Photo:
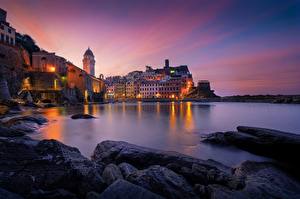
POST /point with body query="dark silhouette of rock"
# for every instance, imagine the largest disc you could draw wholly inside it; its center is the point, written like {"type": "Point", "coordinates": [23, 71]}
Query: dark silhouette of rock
{"type": "Point", "coordinates": [7, 132]}
{"type": "Point", "coordinates": [82, 116]}
{"type": "Point", "coordinates": [193, 169]}
{"type": "Point", "coordinates": [4, 194]}
{"type": "Point", "coordinates": [53, 194]}
{"type": "Point", "coordinates": [38, 119]}
{"type": "Point", "coordinates": [11, 104]}
{"type": "Point", "coordinates": [126, 169]}
{"type": "Point", "coordinates": [262, 180]}
{"type": "Point", "coordinates": [27, 164]}
{"type": "Point", "coordinates": [162, 181]}
{"type": "Point", "coordinates": [92, 195]}
{"type": "Point", "coordinates": [122, 189]}
{"type": "Point", "coordinates": [267, 142]}
{"type": "Point", "coordinates": [111, 173]}
{"type": "Point", "coordinates": [26, 124]}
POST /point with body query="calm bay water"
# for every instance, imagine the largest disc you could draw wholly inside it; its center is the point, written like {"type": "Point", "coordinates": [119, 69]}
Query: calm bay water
{"type": "Point", "coordinates": [168, 126]}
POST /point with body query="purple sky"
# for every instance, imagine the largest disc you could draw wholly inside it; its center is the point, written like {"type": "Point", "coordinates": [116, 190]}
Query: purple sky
{"type": "Point", "coordinates": [242, 47]}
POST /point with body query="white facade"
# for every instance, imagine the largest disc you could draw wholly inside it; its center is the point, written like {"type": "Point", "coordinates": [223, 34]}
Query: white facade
{"type": "Point", "coordinates": [7, 33]}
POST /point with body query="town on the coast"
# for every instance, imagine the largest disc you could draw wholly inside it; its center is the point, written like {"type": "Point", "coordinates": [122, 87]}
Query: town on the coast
{"type": "Point", "coordinates": [35, 75]}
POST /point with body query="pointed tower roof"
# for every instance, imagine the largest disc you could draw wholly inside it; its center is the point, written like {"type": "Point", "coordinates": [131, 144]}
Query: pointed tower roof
{"type": "Point", "coordinates": [89, 52]}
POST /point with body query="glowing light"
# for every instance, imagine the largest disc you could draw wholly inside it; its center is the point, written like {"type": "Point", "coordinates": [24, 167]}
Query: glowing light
{"type": "Point", "coordinates": [51, 69]}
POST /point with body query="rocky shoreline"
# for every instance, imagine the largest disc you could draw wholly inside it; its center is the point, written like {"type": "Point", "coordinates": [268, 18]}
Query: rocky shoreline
{"type": "Point", "coordinates": [49, 169]}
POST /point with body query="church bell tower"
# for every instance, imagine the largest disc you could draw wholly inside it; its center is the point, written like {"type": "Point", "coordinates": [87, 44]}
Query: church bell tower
{"type": "Point", "coordinates": [89, 62]}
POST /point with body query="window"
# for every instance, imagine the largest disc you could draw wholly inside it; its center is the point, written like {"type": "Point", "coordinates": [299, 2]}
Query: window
{"type": "Point", "coordinates": [11, 41]}
{"type": "Point", "coordinates": [7, 39]}
{"type": "Point", "coordinates": [2, 27]}
{"type": "Point", "coordinates": [9, 31]}
{"type": "Point", "coordinates": [2, 37]}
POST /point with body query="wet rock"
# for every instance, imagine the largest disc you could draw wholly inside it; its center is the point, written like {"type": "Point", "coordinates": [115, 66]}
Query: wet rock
{"type": "Point", "coordinates": [201, 190]}
{"type": "Point", "coordinates": [142, 157]}
{"type": "Point", "coordinates": [111, 173]}
{"type": "Point", "coordinates": [162, 181]}
{"type": "Point", "coordinates": [11, 104]}
{"type": "Point", "coordinates": [268, 142]}
{"type": "Point", "coordinates": [4, 194]}
{"type": "Point", "coordinates": [262, 180]}
{"type": "Point", "coordinates": [193, 169]}
{"type": "Point", "coordinates": [122, 189]}
{"type": "Point", "coordinates": [37, 119]}
{"type": "Point", "coordinates": [7, 132]}
{"type": "Point", "coordinates": [126, 169]}
{"type": "Point", "coordinates": [82, 116]}
{"type": "Point", "coordinates": [53, 194]}
{"type": "Point", "coordinates": [27, 164]}
{"type": "Point", "coordinates": [25, 124]}
{"type": "Point", "coordinates": [92, 195]}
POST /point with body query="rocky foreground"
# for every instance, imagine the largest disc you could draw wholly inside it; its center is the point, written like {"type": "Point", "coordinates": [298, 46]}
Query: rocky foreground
{"type": "Point", "coordinates": [51, 170]}
{"type": "Point", "coordinates": [48, 169]}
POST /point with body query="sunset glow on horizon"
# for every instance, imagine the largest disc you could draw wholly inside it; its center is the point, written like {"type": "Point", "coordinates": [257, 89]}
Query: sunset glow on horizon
{"type": "Point", "coordinates": [242, 47]}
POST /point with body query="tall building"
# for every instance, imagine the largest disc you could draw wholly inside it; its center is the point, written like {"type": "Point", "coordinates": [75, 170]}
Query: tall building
{"type": "Point", "coordinates": [7, 33]}
{"type": "Point", "coordinates": [89, 62]}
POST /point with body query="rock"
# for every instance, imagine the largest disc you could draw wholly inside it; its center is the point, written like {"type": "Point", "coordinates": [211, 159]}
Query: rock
{"type": "Point", "coordinates": [53, 194]}
{"type": "Point", "coordinates": [27, 164]}
{"type": "Point", "coordinates": [111, 173]}
{"type": "Point", "coordinates": [267, 142]}
{"type": "Point", "coordinates": [262, 180]}
{"type": "Point", "coordinates": [82, 116]}
{"type": "Point", "coordinates": [25, 124]}
{"type": "Point", "coordinates": [92, 195]}
{"type": "Point", "coordinates": [201, 190]}
{"type": "Point", "coordinates": [7, 132]}
{"type": "Point", "coordinates": [4, 109]}
{"type": "Point", "coordinates": [4, 194]}
{"type": "Point", "coordinates": [13, 105]}
{"type": "Point", "coordinates": [126, 169]}
{"type": "Point", "coordinates": [141, 157]}
{"type": "Point", "coordinates": [122, 189]}
{"type": "Point", "coordinates": [37, 119]}
{"type": "Point", "coordinates": [162, 181]}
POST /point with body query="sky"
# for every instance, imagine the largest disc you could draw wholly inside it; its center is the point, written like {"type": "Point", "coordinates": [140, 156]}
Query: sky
{"type": "Point", "coordinates": [241, 46]}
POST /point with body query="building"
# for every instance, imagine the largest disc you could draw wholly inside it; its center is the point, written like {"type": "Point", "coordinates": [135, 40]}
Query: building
{"type": "Point", "coordinates": [166, 82]}
{"type": "Point", "coordinates": [7, 33]}
{"type": "Point", "coordinates": [89, 86]}
{"type": "Point", "coordinates": [44, 61]}
{"type": "Point", "coordinates": [132, 89]}
{"type": "Point", "coordinates": [89, 62]}
{"type": "Point", "coordinates": [171, 88]}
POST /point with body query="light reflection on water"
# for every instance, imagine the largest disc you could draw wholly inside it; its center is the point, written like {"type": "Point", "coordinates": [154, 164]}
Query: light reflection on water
{"type": "Point", "coordinates": [168, 126]}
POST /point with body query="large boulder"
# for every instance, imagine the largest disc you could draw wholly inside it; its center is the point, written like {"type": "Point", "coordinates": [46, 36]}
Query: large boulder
{"type": "Point", "coordinates": [24, 124]}
{"type": "Point", "coordinates": [162, 181]}
{"type": "Point", "coordinates": [111, 173]}
{"type": "Point", "coordinates": [53, 194]}
{"type": "Point", "coordinates": [262, 180]}
{"type": "Point", "coordinates": [126, 169]}
{"type": "Point", "coordinates": [142, 157]}
{"type": "Point", "coordinates": [27, 165]}
{"type": "Point", "coordinates": [4, 194]}
{"type": "Point", "coordinates": [8, 132]}
{"type": "Point", "coordinates": [268, 142]}
{"type": "Point", "coordinates": [193, 169]}
{"type": "Point", "coordinates": [122, 189]}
